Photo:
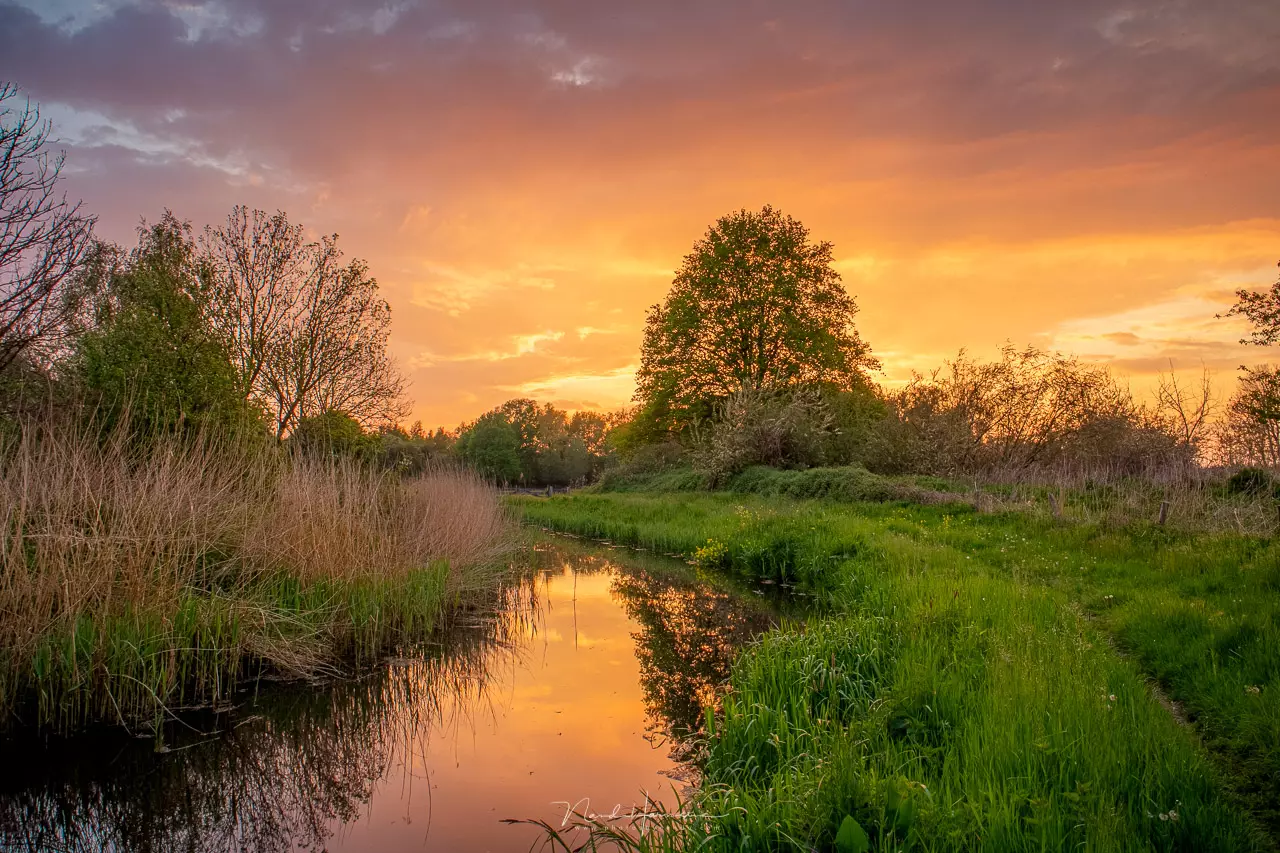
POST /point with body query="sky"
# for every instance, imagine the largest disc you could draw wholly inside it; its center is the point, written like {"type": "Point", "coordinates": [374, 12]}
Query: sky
{"type": "Point", "coordinates": [1093, 176]}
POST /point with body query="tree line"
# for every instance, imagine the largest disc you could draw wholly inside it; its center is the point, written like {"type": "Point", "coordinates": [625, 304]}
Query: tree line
{"type": "Point", "coordinates": [754, 357]}
{"type": "Point", "coordinates": [243, 326]}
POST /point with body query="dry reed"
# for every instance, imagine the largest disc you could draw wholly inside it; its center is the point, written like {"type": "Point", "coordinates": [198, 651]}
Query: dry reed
{"type": "Point", "coordinates": [131, 578]}
{"type": "Point", "coordinates": [1195, 498]}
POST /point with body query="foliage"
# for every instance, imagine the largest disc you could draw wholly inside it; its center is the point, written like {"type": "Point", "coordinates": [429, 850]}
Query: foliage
{"type": "Point", "coordinates": [334, 433]}
{"type": "Point", "coordinates": [413, 451]}
{"type": "Point", "coordinates": [960, 679]}
{"type": "Point", "coordinates": [44, 239]}
{"type": "Point", "coordinates": [848, 483]}
{"type": "Point", "coordinates": [144, 350]}
{"type": "Point", "coordinates": [755, 304]}
{"type": "Point", "coordinates": [1250, 481]}
{"type": "Point", "coordinates": [1263, 311]}
{"type": "Point", "coordinates": [1251, 433]}
{"type": "Point", "coordinates": [537, 445]}
{"type": "Point", "coordinates": [491, 446]}
{"type": "Point", "coordinates": [856, 413]}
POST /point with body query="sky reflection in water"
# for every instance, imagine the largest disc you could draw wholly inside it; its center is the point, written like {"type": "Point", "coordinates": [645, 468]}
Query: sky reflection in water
{"type": "Point", "coordinates": [582, 692]}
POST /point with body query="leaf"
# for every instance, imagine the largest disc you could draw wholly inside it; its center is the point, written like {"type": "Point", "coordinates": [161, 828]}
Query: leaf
{"type": "Point", "coordinates": [900, 806]}
{"type": "Point", "coordinates": [852, 838]}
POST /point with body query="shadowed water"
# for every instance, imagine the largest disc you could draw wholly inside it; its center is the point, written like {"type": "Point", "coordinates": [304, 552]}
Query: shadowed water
{"type": "Point", "coordinates": [582, 690]}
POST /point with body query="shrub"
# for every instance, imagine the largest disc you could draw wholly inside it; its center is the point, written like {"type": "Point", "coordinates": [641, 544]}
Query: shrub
{"type": "Point", "coordinates": [849, 483]}
{"type": "Point", "coordinates": [335, 434]}
{"type": "Point", "coordinates": [756, 426]}
{"type": "Point", "coordinates": [1249, 481]}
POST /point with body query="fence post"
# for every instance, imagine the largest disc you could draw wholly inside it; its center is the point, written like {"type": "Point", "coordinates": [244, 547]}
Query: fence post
{"type": "Point", "coordinates": [1164, 512]}
{"type": "Point", "coordinates": [1053, 505]}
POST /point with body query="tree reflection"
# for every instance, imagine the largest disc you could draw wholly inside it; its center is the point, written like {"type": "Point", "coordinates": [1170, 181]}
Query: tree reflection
{"type": "Point", "coordinates": [690, 631]}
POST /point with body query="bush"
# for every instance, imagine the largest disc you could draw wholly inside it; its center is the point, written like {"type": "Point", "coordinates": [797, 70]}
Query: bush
{"type": "Point", "coordinates": [1250, 481]}
{"type": "Point", "coordinates": [850, 483]}
{"type": "Point", "coordinates": [334, 434]}
{"type": "Point", "coordinates": [758, 426]}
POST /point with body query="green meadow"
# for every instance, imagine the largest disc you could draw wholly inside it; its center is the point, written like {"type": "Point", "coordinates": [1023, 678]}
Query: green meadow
{"type": "Point", "coordinates": [973, 681]}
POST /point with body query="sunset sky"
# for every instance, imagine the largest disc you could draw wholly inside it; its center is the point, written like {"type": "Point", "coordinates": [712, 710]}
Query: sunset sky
{"type": "Point", "coordinates": [523, 177]}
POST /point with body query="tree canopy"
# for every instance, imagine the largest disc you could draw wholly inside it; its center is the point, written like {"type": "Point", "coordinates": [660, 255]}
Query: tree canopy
{"type": "Point", "coordinates": [144, 348]}
{"type": "Point", "coordinates": [755, 304]}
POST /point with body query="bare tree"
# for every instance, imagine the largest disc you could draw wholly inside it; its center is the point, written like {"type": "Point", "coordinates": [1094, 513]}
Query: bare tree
{"type": "Point", "coordinates": [43, 237]}
{"type": "Point", "coordinates": [332, 354]}
{"type": "Point", "coordinates": [306, 333]}
{"type": "Point", "coordinates": [1186, 412]}
{"type": "Point", "coordinates": [253, 266]}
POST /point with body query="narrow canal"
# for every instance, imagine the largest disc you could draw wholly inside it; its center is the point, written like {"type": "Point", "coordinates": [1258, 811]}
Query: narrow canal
{"type": "Point", "coordinates": [583, 691]}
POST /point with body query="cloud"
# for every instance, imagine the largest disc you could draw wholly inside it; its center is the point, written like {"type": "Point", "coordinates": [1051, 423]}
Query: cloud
{"type": "Point", "coordinates": [521, 345]}
{"type": "Point", "coordinates": [986, 169]}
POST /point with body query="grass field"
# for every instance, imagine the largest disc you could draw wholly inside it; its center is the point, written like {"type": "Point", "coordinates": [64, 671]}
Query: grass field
{"type": "Point", "coordinates": [974, 681]}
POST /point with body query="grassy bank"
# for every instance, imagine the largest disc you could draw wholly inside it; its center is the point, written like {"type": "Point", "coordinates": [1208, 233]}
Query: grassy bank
{"type": "Point", "coordinates": [138, 580]}
{"type": "Point", "coordinates": [978, 681]}
{"type": "Point", "coordinates": [1192, 500]}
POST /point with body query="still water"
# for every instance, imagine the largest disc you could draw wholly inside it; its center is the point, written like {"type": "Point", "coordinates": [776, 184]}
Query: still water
{"type": "Point", "coordinates": [583, 690]}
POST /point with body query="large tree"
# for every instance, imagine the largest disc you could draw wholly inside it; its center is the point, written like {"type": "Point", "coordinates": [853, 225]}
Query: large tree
{"type": "Point", "coordinates": [755, 304]}
{"type": "Point", "coordinates": [44, 238]}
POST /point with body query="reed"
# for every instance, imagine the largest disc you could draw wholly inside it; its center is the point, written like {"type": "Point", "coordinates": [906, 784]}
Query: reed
{"type": "Point", "coordinates": [138, 578]}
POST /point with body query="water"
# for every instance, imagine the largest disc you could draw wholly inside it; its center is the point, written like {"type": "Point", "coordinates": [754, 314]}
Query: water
{"type": "Point", "coordinates": [584, 691]}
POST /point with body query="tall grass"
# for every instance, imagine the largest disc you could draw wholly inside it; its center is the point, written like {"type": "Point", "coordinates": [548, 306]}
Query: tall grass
{"type": "Point", "coordinates": [138, 578]}
{"type": "Point", "coordinates": [961, 685]}
{"type": "Point", "coordinates": [1194, 499]}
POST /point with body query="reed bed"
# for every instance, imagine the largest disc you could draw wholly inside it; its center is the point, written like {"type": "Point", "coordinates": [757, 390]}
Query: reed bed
{"type": "Point", "coordinates": [1182, 497]}
{"type": "Point", "coordinates": [135, 579]}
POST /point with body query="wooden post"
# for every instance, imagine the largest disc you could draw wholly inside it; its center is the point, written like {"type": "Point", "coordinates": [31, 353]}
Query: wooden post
{"type": "Point", "coordinates": [1053, 505]}
{"type": "Point", "coordinates": [1164, 512]}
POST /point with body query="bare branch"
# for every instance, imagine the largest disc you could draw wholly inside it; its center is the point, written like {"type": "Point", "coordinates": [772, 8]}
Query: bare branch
{"type": "Point", "coordinates": [43, 237]}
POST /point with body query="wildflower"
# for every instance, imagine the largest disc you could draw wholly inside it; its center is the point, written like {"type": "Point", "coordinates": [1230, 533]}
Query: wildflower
{"type": "Point", "coordinates": [1112, 697]}
{"type": "Point", "coordinates": [1254, 689]}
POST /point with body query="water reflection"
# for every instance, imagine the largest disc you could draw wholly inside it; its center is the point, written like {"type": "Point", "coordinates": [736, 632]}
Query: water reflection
{"type": "Point", "coordinates": [583, 686]}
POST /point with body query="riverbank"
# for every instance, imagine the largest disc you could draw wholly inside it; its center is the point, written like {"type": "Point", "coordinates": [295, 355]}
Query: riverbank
{"type": "Point", "coordinates": [976, 680]}
{"type": "Point", "coordinates": [137, 581]}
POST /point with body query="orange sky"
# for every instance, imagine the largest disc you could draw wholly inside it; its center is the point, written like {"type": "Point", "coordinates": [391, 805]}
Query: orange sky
{"type": "Point", "coordinates": [524, 177]}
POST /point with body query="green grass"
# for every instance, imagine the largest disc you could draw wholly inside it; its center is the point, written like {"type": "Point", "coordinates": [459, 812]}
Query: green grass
{"type": "Point", "coordinates": [977, 682]}
{"type": "Point", "coordinates": [198, 652]}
